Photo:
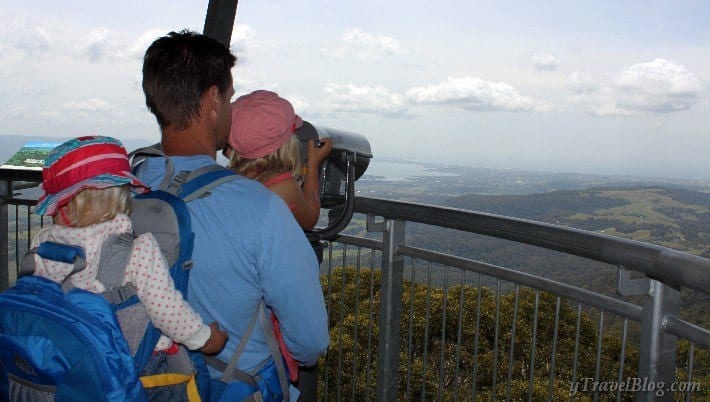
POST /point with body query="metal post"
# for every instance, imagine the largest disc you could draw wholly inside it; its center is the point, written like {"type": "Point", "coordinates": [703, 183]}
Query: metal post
{"type": "Point", "coordinates": [390, 312]}
{"type": "Point", "coordinates": [219, 20]}
{"type": "Point", "coordinates": [657, 349]}
{"type": "Point", "coordinates": [5, 191]}
{"type": "Point", "coordinates": [308, 382]}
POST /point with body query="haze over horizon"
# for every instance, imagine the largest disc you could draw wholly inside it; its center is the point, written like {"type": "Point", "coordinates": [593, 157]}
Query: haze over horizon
{"type": "Point", "coordinates": [590, 87]}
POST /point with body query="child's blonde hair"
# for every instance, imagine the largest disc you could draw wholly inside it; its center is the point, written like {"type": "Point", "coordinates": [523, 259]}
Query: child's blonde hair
{"type": "Point", "coordinates": [92, 205]}
{"type": "Point", "coordinates": [285, 159]}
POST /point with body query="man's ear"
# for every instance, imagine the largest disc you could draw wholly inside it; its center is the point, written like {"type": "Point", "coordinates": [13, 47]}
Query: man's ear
{"type": "Point", "coordinates": [214, 98]}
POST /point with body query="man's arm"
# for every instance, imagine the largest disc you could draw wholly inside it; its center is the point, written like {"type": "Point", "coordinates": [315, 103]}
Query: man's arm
{"type": "Point", "coordinates": [289, 275]}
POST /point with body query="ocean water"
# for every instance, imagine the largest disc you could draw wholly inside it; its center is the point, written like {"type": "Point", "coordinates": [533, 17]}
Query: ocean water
{"type": "Point", "coordinates": [398, 171]}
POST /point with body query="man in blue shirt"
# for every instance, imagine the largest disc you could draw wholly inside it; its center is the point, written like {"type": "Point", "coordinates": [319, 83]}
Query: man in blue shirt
{"type": "Point", "coordinates": [248, 247]}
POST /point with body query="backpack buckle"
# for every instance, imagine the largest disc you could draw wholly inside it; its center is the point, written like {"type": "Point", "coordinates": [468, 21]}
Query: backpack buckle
{"type": "Point", "coordinates": [175, 185]}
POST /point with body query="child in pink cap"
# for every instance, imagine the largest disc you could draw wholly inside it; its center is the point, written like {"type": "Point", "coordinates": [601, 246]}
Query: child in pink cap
{"type": "Point", "coordinates": [262, 146]}
{"type": "Point", "coordinates": [87, 185]}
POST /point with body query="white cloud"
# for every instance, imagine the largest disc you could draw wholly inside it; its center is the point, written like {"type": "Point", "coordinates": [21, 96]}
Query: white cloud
{"type": "Point", "coordinates": [136, 49]}
{"type": "Point", "coordinates": [544, 62]}
{"type": "Point", "coordinates": [50, 114]}
{"type": "Point", "coordinates": [300, 104]}
{"type": "Point", "coordinates": [362, 45]}
{"type": "Point", "coordinates": [36, 40]}
{"type": "Point", "coordinates": [91, 105]}
{"type": "Point", "coordinates": [21, 40]}
{"type": "Point", "coordinates": [242, 41]}
{"type": "Point", "coordinates": [472, 93]}
{"type": "Point", "coordinates": [657, 86]}
{"type": "Point", "coordinates": [15, 113]}
{"type": "Point", "coordinates": [96, 45]}
{"type": "Point", "coordinates": [244, 86]}
{"type": "Point", "coordinates": [349, 98]}
{"type": "Point", "coordinates": [378, 43]}
{"type": "Point", "coordinates": [242, 32]}
{"type": "Point", "coordinates": [582, 82]}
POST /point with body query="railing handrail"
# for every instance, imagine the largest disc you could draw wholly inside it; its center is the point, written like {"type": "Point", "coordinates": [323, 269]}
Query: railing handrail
{"type": "Point", "coordinates": [672, 267]}
{"type": "Point", "coordinates": [31, 175]}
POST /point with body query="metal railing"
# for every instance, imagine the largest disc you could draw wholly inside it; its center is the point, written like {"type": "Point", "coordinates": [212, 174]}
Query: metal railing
{"type": "Point", "coordinates": [631, 351]}
{"type": "Point", "coordinates": [409, 323]}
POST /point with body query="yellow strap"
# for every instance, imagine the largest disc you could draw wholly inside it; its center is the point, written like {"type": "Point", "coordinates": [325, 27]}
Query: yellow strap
{"type": "Point", "coordinates": [159, 380]}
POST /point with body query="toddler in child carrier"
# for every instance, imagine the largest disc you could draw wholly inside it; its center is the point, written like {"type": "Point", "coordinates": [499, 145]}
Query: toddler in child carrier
{"type": "Point", "coordinates": [59, 335]}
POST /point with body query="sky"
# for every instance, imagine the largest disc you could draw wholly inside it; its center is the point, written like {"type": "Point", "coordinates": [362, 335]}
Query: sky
{"type": "Point", "coordinates": [601, 87]}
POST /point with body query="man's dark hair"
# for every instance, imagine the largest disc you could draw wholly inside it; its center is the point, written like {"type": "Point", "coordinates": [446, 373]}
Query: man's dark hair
{"type": "Point", "coordinates": [177, 69]}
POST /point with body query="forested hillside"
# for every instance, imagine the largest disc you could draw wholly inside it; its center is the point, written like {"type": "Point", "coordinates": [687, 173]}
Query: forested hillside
{"type": "Point", "coordinates": [676, 218]}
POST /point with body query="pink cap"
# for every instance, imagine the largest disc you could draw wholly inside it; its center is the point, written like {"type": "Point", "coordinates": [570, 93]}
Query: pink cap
{"type": "Point", "coordinates": [261, 123]}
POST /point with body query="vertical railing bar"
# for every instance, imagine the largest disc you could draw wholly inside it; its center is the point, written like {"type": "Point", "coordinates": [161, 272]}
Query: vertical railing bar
{"type": "Point", "coordinates": [17, 240]}
{"type": "Point", "coordinates": [408, 391]}
{"type": "Point", "coordinates": [511, 355]}
{"type": "Point", "coordinates": [533, 345]}
{"type": "Point", "coordinates": [658, 349]}
{"type": "Point", "coordinates": [622, 357]}
{"type": "Point", "coordinates": [475, 338]}
{"type": "Point", "coordinates": [390, 315]}
{"type": "Point", "coordinates": [494, 388]}
{"type": "Point", "coordinates": [357, 315]}
{"type": "Point", "coordinates": [5, 193]}
{"type": "Point", "coordinates": [341, 324]}
{"type": "Point", "coordinates": [29, 230]}
{"type": "Point", "coordinates": [554, 350]}
{"type": "Point", "coordinates": [328, 307]}
{"type": "Point", "coordinates": [370, 320]}
{"type": "Point", "coordinates": [426, 331]}
{"type": "Point", "coordinates": [458, 337]}
{"type": "Point", "coordinates": [691, 358]}
{"type": "Point", "coordinates": [597, 366]}
{"type": "Point", "coordinates": [443, 332]}
{"type": "Point", "coordinates": [576, 344]}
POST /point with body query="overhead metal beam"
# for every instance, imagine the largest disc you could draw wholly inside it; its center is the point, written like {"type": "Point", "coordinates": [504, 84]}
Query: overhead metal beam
{"type": "Point", "coordinates": [219, 20]}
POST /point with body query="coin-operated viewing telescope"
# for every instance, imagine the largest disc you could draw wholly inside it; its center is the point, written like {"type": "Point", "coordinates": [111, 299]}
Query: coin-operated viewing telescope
{"type": "Point", "coordinates": [337, 175]}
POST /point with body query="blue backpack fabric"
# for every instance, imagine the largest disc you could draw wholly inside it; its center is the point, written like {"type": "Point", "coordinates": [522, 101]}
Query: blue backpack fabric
{"type": "Point", "coordinates": [64, 346]}
{"type": "Point", "coordinates": [58, 343]}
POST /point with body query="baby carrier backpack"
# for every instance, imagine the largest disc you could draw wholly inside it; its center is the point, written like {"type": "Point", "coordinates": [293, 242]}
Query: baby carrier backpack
{"type": "Point", "coordinates": [268, 382]}
{"type": "Point", "coordinates": [67, 344]}
{"type": "Point", "coordinates": [62, 344]}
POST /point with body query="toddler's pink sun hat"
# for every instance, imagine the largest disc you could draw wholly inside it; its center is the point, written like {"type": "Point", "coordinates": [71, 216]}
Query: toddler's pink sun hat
{"type": "Point", "coordinates": [262, 122]}
{"type": "Point", "coordinates": [85, 162]}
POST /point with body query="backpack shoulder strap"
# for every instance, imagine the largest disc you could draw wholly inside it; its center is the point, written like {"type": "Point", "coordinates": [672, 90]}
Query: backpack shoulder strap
{"type": "Point", "coordinates": [230, 370]}
{"type": "Point", "coordinates": [200, 181]}
{"type": "Point", "coordinates": [115, 254]}
{"type": "Point", "coordinates": [274, 349]}
{"type": "Point", "coordinates": [138, 156]}
{"type": "Point", "coordinates": [133, 319]}
{"type": "Point", "coordinates": [57, 252]}
{"type": "Point", "coordinates": [186, 185]}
